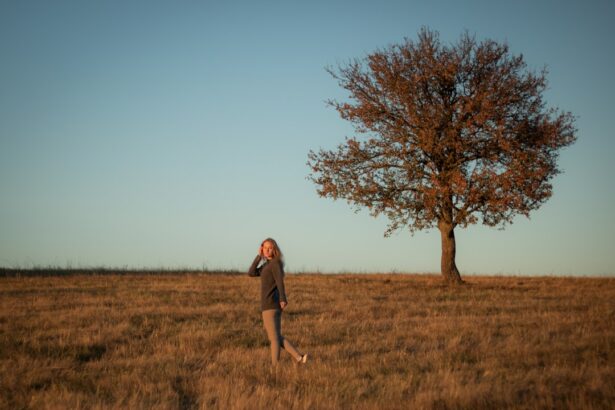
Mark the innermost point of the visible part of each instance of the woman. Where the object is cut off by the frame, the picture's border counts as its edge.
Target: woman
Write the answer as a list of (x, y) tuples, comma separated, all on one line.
[(273, 297)]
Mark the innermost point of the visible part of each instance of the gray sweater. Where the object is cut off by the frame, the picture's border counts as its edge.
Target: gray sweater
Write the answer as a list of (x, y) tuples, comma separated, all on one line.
[(272, 282)]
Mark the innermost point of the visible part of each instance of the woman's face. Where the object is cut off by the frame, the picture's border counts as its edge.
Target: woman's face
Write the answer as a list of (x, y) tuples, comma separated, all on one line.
[(268, 250)]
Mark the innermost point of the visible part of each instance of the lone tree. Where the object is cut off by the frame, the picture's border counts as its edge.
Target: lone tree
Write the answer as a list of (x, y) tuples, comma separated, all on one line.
[(454, 134)]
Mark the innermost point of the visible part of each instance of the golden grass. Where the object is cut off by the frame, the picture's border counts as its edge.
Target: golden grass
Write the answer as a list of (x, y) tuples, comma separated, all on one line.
[(375, 341)]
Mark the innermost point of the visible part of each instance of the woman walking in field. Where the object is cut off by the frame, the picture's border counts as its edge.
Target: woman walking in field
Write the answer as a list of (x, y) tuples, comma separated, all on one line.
[(269, 265)]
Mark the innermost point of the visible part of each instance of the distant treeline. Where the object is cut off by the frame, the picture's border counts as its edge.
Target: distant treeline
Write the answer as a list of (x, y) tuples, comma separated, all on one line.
[(56, 271)]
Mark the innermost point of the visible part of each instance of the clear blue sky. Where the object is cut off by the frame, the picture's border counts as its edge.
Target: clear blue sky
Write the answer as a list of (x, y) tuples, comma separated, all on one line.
[(175, 134)]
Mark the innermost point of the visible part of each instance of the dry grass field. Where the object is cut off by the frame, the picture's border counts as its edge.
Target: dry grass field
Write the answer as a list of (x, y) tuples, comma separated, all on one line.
[(375, 341)]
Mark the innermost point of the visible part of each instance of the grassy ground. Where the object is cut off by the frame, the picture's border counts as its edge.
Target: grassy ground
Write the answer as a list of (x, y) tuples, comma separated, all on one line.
[(375, 341)]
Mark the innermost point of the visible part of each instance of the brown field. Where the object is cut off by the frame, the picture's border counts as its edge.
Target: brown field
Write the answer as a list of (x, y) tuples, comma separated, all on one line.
[(375, 341)]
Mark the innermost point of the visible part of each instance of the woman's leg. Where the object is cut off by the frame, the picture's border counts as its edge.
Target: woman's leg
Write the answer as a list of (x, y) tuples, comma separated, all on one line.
[(283, 342), (272, 334), (272, 319)]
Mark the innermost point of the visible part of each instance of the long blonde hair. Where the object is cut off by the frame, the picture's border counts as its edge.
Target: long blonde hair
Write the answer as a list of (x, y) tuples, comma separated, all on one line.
[(277, 252)]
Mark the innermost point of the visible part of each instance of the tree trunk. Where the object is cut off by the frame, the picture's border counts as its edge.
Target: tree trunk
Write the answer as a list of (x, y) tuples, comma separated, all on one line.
[(447, 264)]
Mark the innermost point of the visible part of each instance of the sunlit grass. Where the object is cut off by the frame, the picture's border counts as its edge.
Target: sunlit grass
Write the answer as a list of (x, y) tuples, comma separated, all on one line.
[(375, 341)]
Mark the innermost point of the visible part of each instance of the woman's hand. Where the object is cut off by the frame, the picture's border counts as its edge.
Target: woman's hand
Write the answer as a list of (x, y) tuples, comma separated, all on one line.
[(283, 305)]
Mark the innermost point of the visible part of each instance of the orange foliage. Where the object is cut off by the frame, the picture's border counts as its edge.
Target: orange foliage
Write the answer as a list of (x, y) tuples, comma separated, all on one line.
[(456, 134)]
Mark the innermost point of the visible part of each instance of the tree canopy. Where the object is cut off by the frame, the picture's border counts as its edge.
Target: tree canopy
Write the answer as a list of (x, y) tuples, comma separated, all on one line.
[(447, 136)]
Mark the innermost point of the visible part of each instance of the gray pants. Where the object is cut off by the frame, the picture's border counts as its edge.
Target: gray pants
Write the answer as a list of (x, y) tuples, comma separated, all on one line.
[(272, 319)]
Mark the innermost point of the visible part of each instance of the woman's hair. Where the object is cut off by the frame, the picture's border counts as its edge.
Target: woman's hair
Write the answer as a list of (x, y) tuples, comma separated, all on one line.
[(277, 252)]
